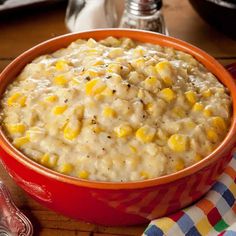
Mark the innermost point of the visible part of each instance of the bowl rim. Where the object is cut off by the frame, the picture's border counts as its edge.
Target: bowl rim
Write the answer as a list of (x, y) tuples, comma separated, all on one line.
[(51, 45)]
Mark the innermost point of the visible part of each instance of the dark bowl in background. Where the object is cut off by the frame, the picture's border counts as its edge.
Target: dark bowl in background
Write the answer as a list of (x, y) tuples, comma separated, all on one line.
[(218, 13)]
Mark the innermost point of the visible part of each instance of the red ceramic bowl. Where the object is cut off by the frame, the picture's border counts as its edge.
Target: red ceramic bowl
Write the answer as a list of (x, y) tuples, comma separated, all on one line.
[(110, 203)]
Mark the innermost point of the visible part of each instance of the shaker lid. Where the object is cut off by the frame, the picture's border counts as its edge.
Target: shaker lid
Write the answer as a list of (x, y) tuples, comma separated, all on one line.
[(143, 7)]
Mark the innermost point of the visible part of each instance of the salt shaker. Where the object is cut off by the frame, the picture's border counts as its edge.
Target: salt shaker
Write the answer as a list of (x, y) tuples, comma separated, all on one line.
[(90, 14), (143, 14)]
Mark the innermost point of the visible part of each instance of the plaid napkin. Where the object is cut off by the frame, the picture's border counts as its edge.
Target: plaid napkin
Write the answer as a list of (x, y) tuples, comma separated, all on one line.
[(214, 214)]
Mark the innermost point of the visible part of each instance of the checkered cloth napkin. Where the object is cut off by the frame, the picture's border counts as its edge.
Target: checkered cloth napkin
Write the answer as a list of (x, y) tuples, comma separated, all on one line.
[(214, 214)]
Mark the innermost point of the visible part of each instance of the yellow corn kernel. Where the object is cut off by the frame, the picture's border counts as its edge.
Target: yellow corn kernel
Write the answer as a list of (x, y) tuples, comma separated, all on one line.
[(83, 174), (95, 128), (212, 135), (150, 70), (108, 112), (61, 64), (207, 93), (219, 123), (149, 107), (107, 92), (179, 111), (167, 94), (66, 168), (60, 80), (179, 164), (114, 68), (91, 73), (198, 107), (91, 43), (191, 97), (190, 124), (151, 81), (16, 128), (164, 69), (49, 160), (94, 87), (51, 98), (115, 52), (58, 110), (145, 134), (140, 62), (133, 149), (19, 142), (144, 174), (197, 157), (178, 142), (207, 112), (123, 130), (71, 133), (75, 81), (98, 63), (16, 99)]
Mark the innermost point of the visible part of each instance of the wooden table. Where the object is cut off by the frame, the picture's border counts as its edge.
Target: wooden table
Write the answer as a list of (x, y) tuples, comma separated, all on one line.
[(26, 30)]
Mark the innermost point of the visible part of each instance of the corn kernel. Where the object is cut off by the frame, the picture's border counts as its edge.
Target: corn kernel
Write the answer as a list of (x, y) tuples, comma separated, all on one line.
[(58, 110), (108, 112), (115, 52), (96, 128), (107, 92), (178, 143), (61, 64), (191, 97), (114, 68), (212, 135), (167, 94), (66, 168), (83, 174), (179, 164), (75, 81), (15, 128), (51, 98), (98, 63), (123, 131), (145, 134), (133, 149), (198, 107), (91, 43), (149, 107), (94, 87), (179, 111), (151, 81), (207, 93), (71, 133), (49, 160), (60, 80), (207, 112), (144, 175), (190, 124), (19, 142), (197, 157), (91, 73), (16, 99), (164, 69), (140, 62), (219, 123)]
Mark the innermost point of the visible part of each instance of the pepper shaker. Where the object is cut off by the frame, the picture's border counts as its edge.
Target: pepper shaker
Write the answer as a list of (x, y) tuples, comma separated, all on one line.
[(143, 14)]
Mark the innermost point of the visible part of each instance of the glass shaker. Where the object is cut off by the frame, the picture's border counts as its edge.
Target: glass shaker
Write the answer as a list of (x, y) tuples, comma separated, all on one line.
[(143, 14), (90, 14)]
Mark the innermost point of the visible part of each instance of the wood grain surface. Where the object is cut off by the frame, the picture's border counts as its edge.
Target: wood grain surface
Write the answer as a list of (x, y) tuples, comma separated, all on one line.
[(19, 32)]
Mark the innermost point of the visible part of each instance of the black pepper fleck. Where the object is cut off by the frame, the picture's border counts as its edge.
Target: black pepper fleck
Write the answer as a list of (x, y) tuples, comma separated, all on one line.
[(128, 85), (66, 100), (87, 78), (108, 77), (113, 91), (108, 136), (94, 122)]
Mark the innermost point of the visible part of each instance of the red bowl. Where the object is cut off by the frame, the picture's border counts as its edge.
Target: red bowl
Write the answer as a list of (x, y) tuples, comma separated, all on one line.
[(110, 203)]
